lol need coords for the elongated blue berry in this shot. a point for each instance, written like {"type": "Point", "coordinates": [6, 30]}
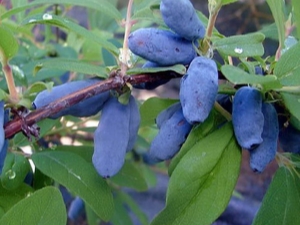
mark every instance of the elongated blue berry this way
{"type": "Point", "coordinates": [85, 108]}
{"type": "Point", "coordinates": [111, 138]}
{"type": "Point", "coordinates": [181, 17]}
{"type": "Point", "coordinates": [198, 89]}
{"type": "Point", "coordinates": [134, 123]}
{"type": "Point", "coordinates": [161, 46]}
{"type": "Point", "coordinates": [247, 117]}
{"type": "Point", "coordinates": [76, 208]}
{"type": "Point", "coordinates": [171, 136]}
{"type": "Point", "coordinates": [262, 155]}
{"type": "Point", "coordinates": [166, 114]}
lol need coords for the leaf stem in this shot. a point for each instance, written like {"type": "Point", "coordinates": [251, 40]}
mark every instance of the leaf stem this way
{"type": "Point", "coordinates": [128, 25]}
{"type": "Point", "coordinates": [14, 97]}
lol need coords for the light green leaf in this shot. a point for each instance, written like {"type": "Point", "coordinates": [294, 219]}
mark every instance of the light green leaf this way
{"type": "Point", "coordinates": [80, 177]}
{"type": "Point", "coordinates": [8, 44]}
{"type": "Point", "coordinates": [43, 207]}
{"type": "Point", "coordinates": [58, 21]}
{"type": "Point", "coordinates": [287, 69]}
{"type": "Point", "coordinates": [130, 176]}
{"type": "Point", "coordinates": [225, 2]}
{"type": "Point", "coordinates": [152, 107]}
{"type": "Point", "coordinates": [238, 76]}
{"type": "Point", "coordinates": [281, 204]}
{"type": "Point", "coordinates": [277, 8]}
{"type": "Point", "coordinates": [180, 69]}
{"type": "Point", "coordinates": [194, 195]}
{"type": "Point", "coordinates": [71, 65]}
{"type": "Point", "coordinates": [292, 102]}
{"type": "Point", "coordinates": [9, 198]}
{"type": "Point", "coordinates": [241, 45]}
{"type": "Point", "coordinates": [296, 12]}
{"type": "Point", "coordinates": [103, 6]}
{"type": "Point", "coordinates": [198, 132]}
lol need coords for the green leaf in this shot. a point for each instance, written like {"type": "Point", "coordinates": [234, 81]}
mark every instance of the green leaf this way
{"type": "Point", "coordinates": [43, 207]}
{"type": "Point", "coordinates": [120, 216]}
{"type": "Point", "coordinates": [9, 198]}
{"type": "Point", "coordinates": [58, 21]}
{"type": "Point", "coordinates": [130, 176]}
{"type": "Point", "coordinates": [84, 151]}
{"type": "Point", "coordinates": [14, 171]}
{"type": "Point", "coordinates": [8, 44]}
{"type": "Point", "coordinates": [238, 76]}
{"type": "Point", "coordinates": [180, 69]}
{"type": "Point", "coordinates": [281, 204]}
{"type": "Point", "coordinates": [287, 69]}
{"type": "Point", "coordinates": [277, 8]}
{"type": "Point", "coordinates": [296, 11]}
{"type": "Point", "coordinates": [37, 87]}
{"type": "Point", "coordinates": [103, 6]}
{"type": "Point", "coordinates": [152, 107]}
{"type": "Point", "coordinates": [292, 102]}
{"type": "Point", "coordinates": [198, 132]}
{"type": "Point", "coordinates": [72, 65]}
{"type": "Point", "coordinates": [225, 2]}
{"type": "Point", "coordinates": [194, 194]}
{"type": "Point", "coordinates": [78, 176]}
{"type": "Point", "coordinates": [241, 45]}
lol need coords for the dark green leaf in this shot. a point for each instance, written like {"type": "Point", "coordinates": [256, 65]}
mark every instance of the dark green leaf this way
{"type": "Point", "coordinates": [68, 24]}
{"type": "Point", "coordinates": [281, 204]}
{"type": "Point", "coordinates": [194, 194]}
{"type": "Point", "coordinates": [79, 177]}
{"type": "Point", "coordinates": [130, 176]}
{"type": "Point", "coordinates": [287, 69]}
{"type": "Point", "coordinates": [239, 76]}
{"type": "Point", "coordinates": [152, 107]}
{"type": "Point", "coordinates": [120, 216]}
{"type": "Point", "coordinates": [241, 45]}
{"type": "Point", "coordinates": [43, 207]}
{"type": "Point", "coordinates": [84, 151]}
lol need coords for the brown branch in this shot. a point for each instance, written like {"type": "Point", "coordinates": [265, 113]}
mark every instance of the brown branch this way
{"type": "Point", "coordinates": [15, 126]}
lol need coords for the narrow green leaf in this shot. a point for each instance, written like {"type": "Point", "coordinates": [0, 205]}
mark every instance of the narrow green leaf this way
{"type": "Point", "coordinates": [130, 176]}
{"type": "Point", "coordinates": [50, 19]}
{"type": "Point", "coordinates": [203, 181]}
{"type": "Point", "coordinates": [277, 8]}
{"type": "Point", "coordinates": [287, 69]}
{"type": "Point", "coordinates": [292, 102]}
{"type": "Point", "coordinates": [79, 177]}
{"type": "Point", "coordinates": [180, 69]}
{"type": "Point", "coordinates": [241, 45]}
{"type": "Point", "coordinates": [120, 216]}
{"type": "Point", "coordinates": [296, 12]}
{"type": "Point", "coordinates": [151, 108]}
{"type": "Point", "coordinates": [43, 207]}
{"type": "Point", "coordinates": [103, 6]}
{"type": "Point", "coordinates": [238, 76]}
{"type": "Point", "coordinates": [225, 2]}
{"type": "Point", "coordinates": [281, 204]}
{"type": "Point", "coordinates": [8, 44]}
{"type": "Point", "coordinates": [72, 65]}
{"type": "Point", "coordinates": [84, 151]}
